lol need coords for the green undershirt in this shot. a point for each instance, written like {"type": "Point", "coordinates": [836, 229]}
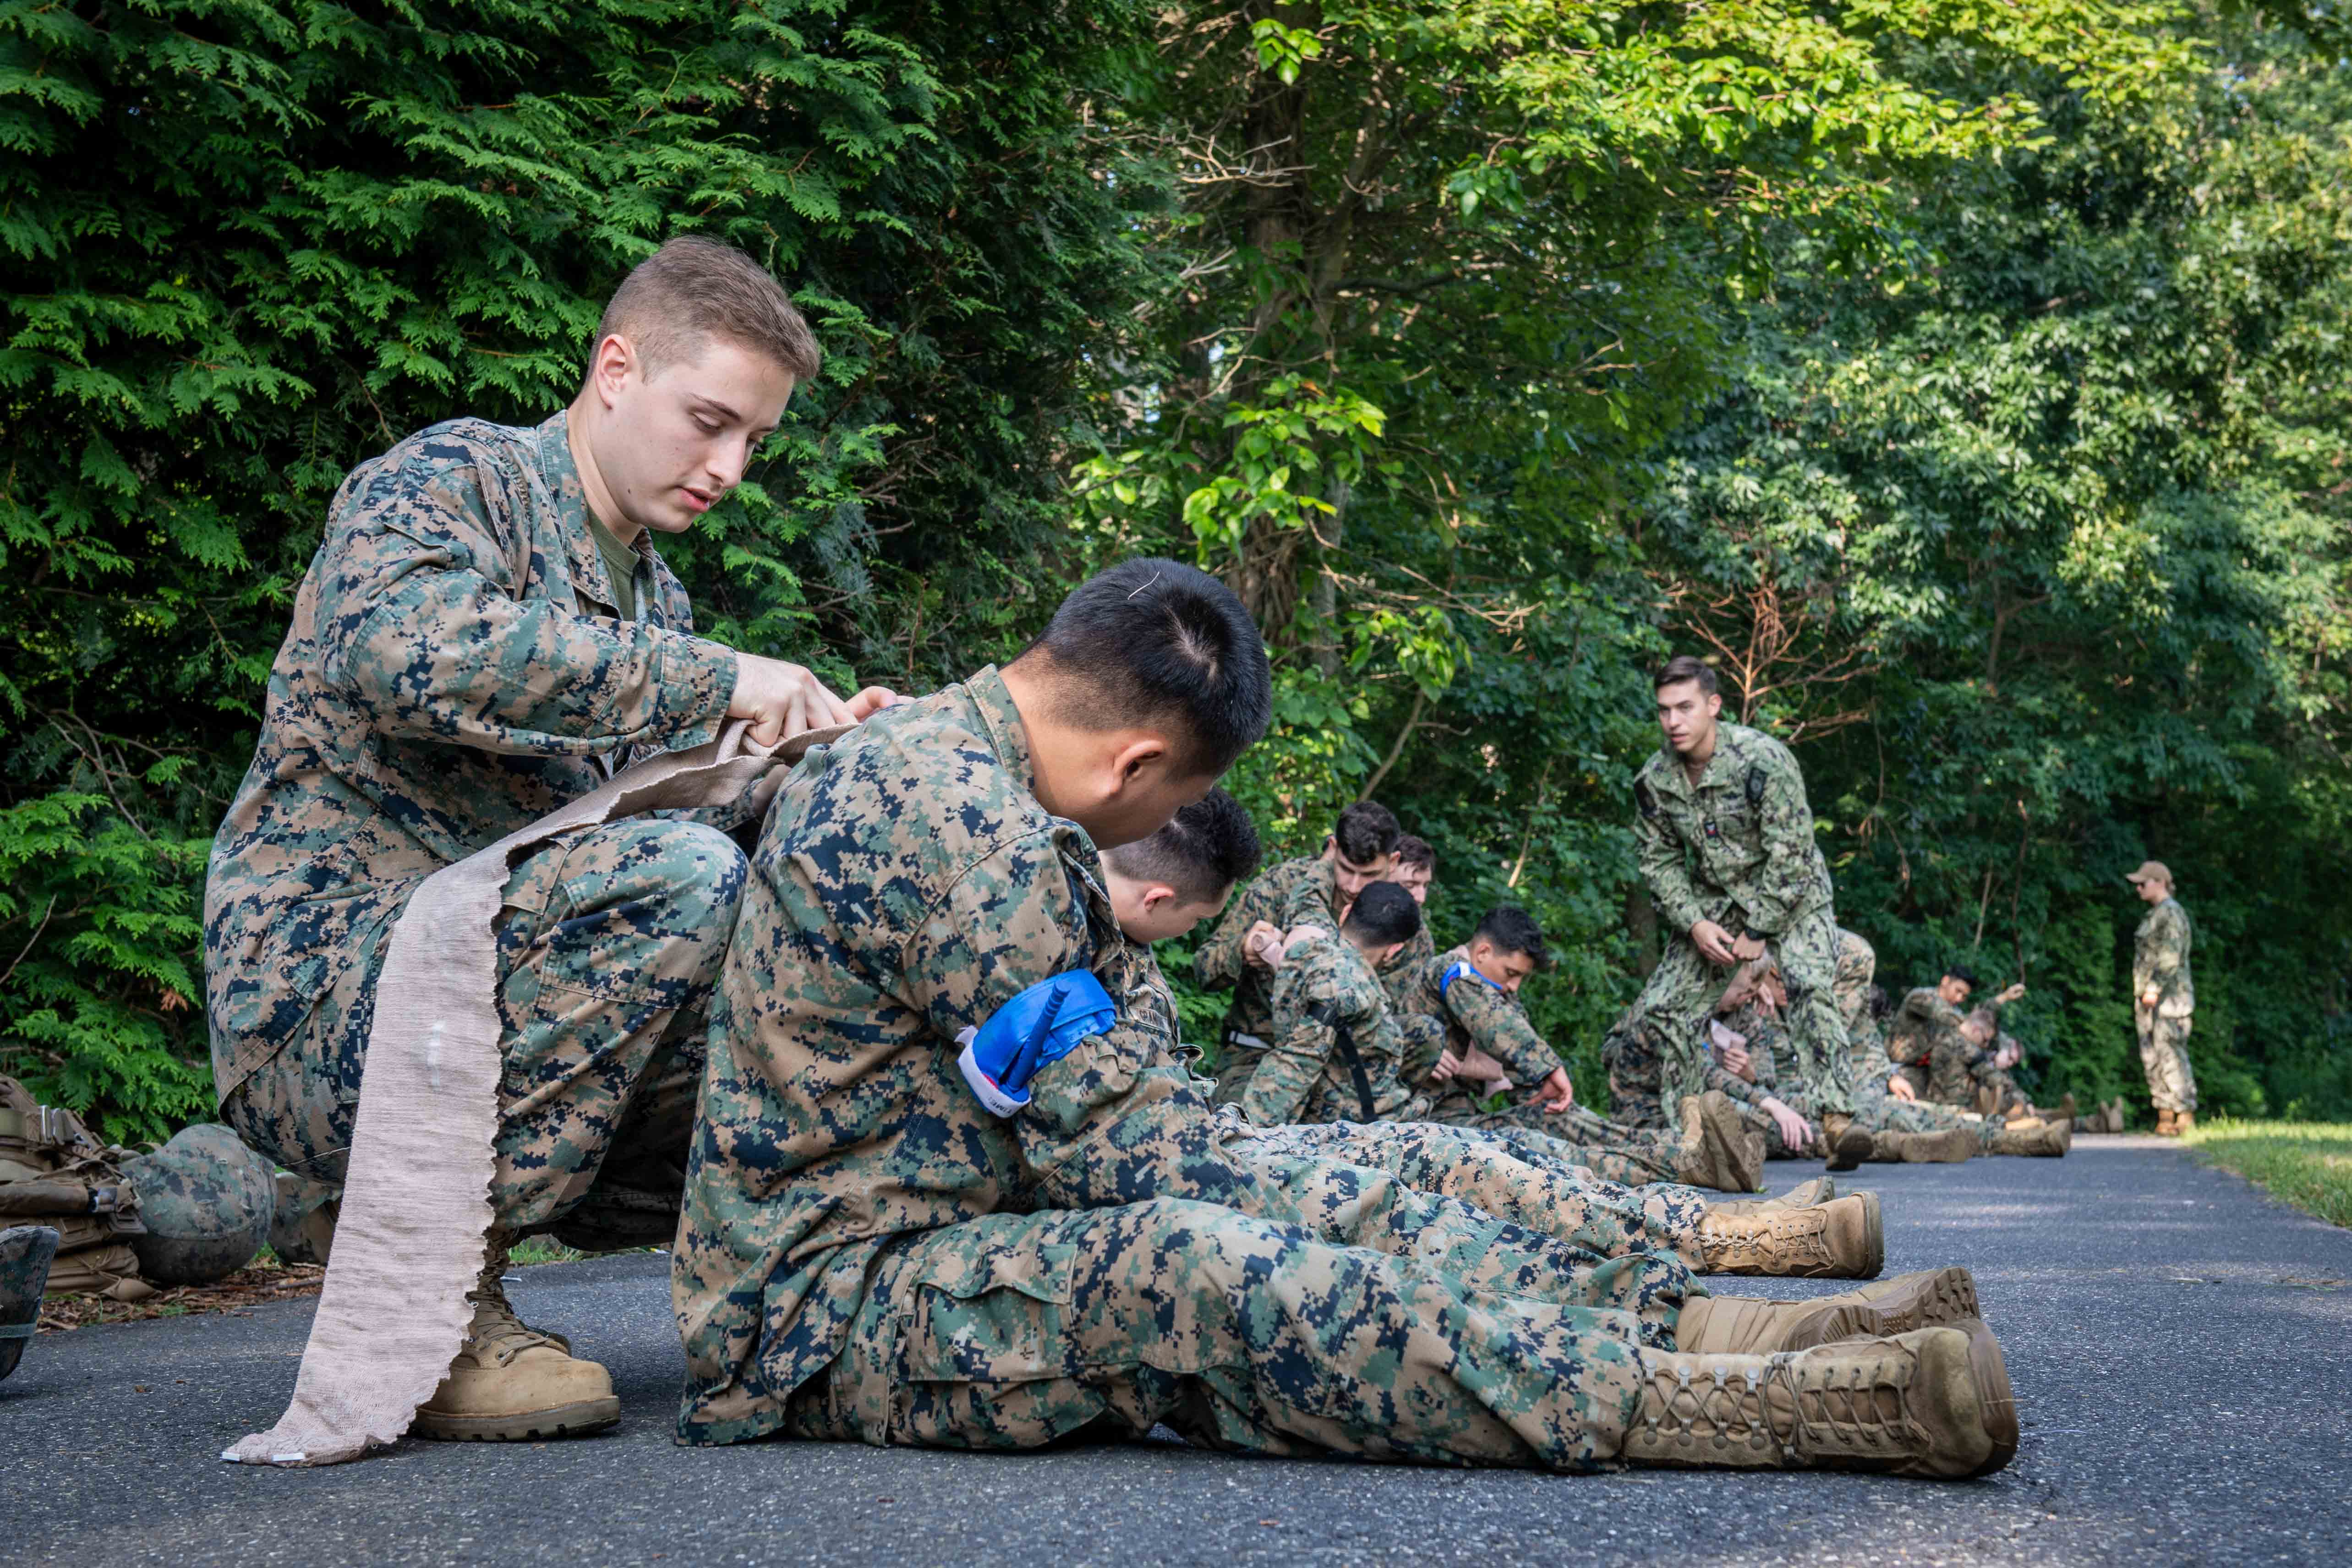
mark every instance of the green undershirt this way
{"type": "Point", "coordinates": [620, 565]}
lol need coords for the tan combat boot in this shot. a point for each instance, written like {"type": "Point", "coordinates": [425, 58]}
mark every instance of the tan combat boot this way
{"type": "Point", "coordinates": [1804, 1195]}
{"type": "Point", "coordinates": [1844, 1144]}
{"type": "Point", "coordinates": [511, 1381]}
{"type": "Point", "coordinates": [1840, 1239]}
{"type": "Point", "coordinates": [2183, 1122]}
{"type": "Point", "coordinates": [1934, 1402]}
{"type": "Point", "coordinates": [1719, 1149]}
{"type": "Point", "coordinates": [2164, 1127]}
{"type": "Point", "coordinates": [1946, 1148]}
{"type": "Point", "coordinates": [2051, 1140]}
{"type": "Point", "coordinates": [1754, 1325]}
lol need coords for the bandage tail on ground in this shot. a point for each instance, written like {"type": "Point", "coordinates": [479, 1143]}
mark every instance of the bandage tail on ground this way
{"type": "Point", "coordinates": [416, 1211]}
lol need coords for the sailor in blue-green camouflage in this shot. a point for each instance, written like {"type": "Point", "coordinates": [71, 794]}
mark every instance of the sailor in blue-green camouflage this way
{"type": "Point", "coordinates": [1510, 1173]}
{"type": "Point", "coordinates": [1304, 891]}
{"type": "Point", "coordinates": [1736, 848]}
{"type": "Point", "coordinates": [1474, 1013]}
{"type": "Point", "coordinates": [848, 1266]}
{"type": "Point", "coordinates": [458, 665]}
{"type": "Point", "coordinates": [1877, 1109]}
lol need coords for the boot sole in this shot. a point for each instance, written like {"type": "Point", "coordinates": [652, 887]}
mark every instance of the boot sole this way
{"type": "Point", "coordinates": [1995, 1401]}
{"type": "Point", "coordinates": [1939, 1298]}
{"type": "Point", "coordinates": [575, 1421]}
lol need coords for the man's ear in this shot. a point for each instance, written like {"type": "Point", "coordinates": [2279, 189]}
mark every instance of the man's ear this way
{"type": "Point", "coordinates": [1714, 704]}
{"type": "Point", "coordinates": [1387, 953]}
{"type": "Point", "coordinates": [1141, 753]}
{"type": "Point", "coordinates": [1158, 893]}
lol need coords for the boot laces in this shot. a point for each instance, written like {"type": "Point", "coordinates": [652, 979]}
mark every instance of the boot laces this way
{"type": "Point", "coordinates": [495, 1336]}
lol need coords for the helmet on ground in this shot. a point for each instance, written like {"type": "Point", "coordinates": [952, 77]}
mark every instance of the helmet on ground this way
{"type": "Point", "coordinates": [206, 1201]}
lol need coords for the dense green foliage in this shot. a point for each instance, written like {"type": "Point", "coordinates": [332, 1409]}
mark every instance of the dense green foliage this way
{"type": "Point", "coordinates": [246, 245]}
{"type": "Point", "coordinates": [1971, 380]}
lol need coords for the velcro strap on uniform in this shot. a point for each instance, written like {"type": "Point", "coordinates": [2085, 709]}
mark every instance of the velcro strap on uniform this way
{"type": "Point", "coordinates": [1040, 1026]}
{"type": "Point", "coordinates": [18, 1331]}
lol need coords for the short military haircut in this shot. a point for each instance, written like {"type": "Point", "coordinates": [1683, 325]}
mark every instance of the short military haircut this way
{"type": "Point", "coordinates": [1508, 928]}
{"type": "Point", "coordinates": [1413, 850]}
{"type": "Point", "coordinates": [1365, 831]}
{"type": "Point", "coordinates": [1210, 845]}
{"type": "Point", "coordinates": [1878, 1001]}
{"type": "Point", "coordinates": [1154, 642]}
{"type": "Point", "coordinates": [1684, 667]}
{"type": "Point", "coordinates": [694, 289]}
{"type": "Point", "coordinates": [1961, 973]}
{"type": "Point", "coordinates": [1384, 913]}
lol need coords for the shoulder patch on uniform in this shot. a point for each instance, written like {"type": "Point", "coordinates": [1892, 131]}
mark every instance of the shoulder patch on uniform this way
{"type": "Point", "coordinates": [1755, 783]}
{"type": "Point", "coordinates": [1643, 799]}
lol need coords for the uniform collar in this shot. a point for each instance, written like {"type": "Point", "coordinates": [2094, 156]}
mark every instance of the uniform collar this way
{"type": "Point", "coordinates": [1001, 716]}
{"type": "Point", "coordinates": [584, 563]}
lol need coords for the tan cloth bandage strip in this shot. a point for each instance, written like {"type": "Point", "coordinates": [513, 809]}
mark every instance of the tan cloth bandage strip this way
{"type": "Point", "coordinates": [416, 1207]}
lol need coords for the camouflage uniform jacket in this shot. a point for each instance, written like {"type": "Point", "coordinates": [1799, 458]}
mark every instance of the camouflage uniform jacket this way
{"type": "Point", "coordinates": [1763, 1033]}
{"type": "Point", "coordinates": [1736, 848]}
{"type": "Point", "coordinates": [1402, 973]}
{"type": "Point", "coordinates": [1326, 984]}
{"type": "Point", "coordinates": [1291, 894]}
{"type": "Point", "coordinates": [453, 671]}
{"type": "Point", "coordinates": [1473, 1010]}
{"type": "Point", "coordinates": [907, 883]}
{"type": "Point", "coordinates": [2160, 958]}
{"type": "Point", "coordinates": [1924, 1019]}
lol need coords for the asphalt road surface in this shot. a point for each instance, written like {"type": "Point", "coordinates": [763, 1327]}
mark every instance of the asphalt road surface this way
{"type": "Point", "coordinates": [2181, 1349]}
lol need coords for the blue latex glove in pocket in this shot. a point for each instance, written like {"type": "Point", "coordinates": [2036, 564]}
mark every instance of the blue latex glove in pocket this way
{"type": "Point", "coordinates": [1042, 1025]}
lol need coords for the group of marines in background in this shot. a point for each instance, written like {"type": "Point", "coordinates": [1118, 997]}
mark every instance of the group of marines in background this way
{"type": "Point", "coordinates": [882, 1054]}
{"type": "Point", "coordinates": [1758, 1035]}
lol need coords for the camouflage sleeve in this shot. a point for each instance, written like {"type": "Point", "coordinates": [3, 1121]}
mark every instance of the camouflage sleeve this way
{"type": "Point", "coordinates": [1501, 1031]}
{"type": "Point", "coordinates": [1307, 985]}
{"type": "Point", "coordinates": [1218, 964]}
{"type": "Point", "coordinates": [419, 622]}
{"type": "Point", "coordinates": [1790, 876]}
{"type": "Point", "coordinates": [1115, 1121]}
{"type": "Point", "coordinates": [2167, 950]}
{"type": "Point", "coordinates": [1662, 867]}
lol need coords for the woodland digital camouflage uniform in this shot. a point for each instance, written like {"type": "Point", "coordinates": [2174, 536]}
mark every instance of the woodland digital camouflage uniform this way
{"type": "Point", "coordinates": [1323, 987]}
{"type": "Point", "coordinates": [846, 1267]}
{"type": "Point", "coordinates": [1738, 849]}
{"type": "Point", "coordinates": [456, 670]}
{"type": "Point", "coordinates": [1290, 893]}
{"type": "Point", "coordinates": [1875, 1108]}
{"type": "Point", "coordinates": [1944, 1065]}
{"type": "Point", "coordinates": [1403, 969]}
{"type": "Point", "coordinates": [1514, 1175]}
{"type": "Point", "coordinates": [2160, 958]}
{"type": "Point", "coordinates": [1473, 1012]}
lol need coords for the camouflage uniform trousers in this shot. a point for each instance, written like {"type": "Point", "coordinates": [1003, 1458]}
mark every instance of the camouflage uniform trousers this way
{"type": "Point", "coordinates": [1877, 1111]}
{"type": "Point", "coordinates": [607, 947]}
{"type": "Point", "coordinates": [2164, 1057]}
{"type": "Point", "coordinates": [1015, 1330]}
{"type": "Point", "coordinates": [1632, 1157]}
{"type": "Point", "coordinates": [1636, 1071]}
{"type": "Point", "coordinates": [1510, 1173]}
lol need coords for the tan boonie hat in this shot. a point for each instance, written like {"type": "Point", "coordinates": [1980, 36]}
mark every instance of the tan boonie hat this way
{"type": "Point", "coordinates": [2150, 871]}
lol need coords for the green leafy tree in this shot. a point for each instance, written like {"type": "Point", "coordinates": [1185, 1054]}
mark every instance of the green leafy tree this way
{"type": "Point", "coordinates": [246, 245]}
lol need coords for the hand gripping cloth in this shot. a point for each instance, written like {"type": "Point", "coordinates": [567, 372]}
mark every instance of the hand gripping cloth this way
{"type": "Point", "coordinates": [1042, 1025]}
{"type": "Point", "coordinates": [416, 1207]}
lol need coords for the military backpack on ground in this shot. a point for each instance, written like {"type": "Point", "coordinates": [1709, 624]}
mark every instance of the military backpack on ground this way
{"type": "Point", "coordinates": [54, 1173]}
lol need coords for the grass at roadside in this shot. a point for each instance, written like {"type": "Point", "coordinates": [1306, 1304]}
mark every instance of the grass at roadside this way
{"type": "Point", "coordinates": [2308, 1164]}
